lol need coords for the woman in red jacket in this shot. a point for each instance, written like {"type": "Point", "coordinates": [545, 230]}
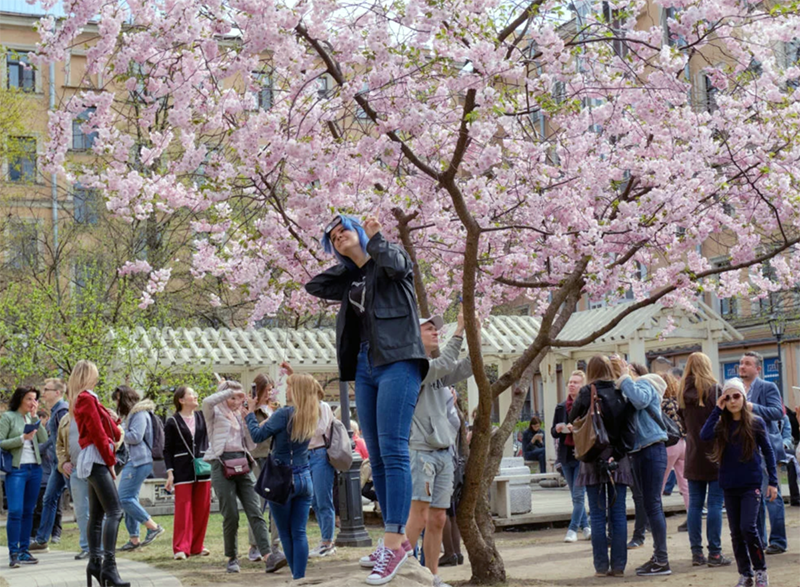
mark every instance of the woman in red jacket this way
{"type": "Point", "coordinates": [98, 433]}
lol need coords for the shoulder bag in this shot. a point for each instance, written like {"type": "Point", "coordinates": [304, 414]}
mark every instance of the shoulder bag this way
{"type": "Point", "coordinates": [668, 425]}
{"type": "Point", "coordinates": [6, 461]}
{"type": "Point", "coordinates": [276, 481]}
{"type": "Point", "coordinates": [589, 432]}
{"type": "Point", "coordinates": [337, 446]}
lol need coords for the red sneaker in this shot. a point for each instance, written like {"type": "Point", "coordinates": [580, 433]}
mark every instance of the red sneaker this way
{"type": "Point", "coordinates": [369, 561]}
{"type": "Point", "coordinates": [389, 562]}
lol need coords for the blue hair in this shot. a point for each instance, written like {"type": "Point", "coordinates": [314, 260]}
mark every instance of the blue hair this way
{"type": "Point", "coordinates": [353, 225]}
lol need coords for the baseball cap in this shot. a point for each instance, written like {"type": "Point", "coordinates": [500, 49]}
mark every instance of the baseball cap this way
{"type": "Point", "coordinates": [437, 321]}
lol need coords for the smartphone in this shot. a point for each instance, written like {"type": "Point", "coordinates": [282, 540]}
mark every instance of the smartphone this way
{"type": "Point", "coordinates": [31, 427]}
{"type": "Point", "coordinates": [253, 390]}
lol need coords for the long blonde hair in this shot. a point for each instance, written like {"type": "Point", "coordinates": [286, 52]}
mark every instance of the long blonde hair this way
{"type": "Point", "coordinates": [306, 392]}
{"type": "Point", "coordinates": [698, 366]}
{"type": "Point", "coordinates": [84, 376]}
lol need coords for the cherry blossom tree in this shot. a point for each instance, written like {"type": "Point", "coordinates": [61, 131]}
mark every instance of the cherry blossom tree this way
{"type": "Point", "coordinates": [513, 148]}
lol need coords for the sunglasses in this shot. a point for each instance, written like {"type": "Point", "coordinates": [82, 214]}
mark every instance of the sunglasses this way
{"type": "Point", "coordinates": [333, 224]}
{"type": "Point", "coordinates": [733, 396]}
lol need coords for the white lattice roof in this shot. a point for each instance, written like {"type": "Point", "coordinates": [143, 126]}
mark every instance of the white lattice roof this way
{"type": "Point", "coordinates": [236, 350]}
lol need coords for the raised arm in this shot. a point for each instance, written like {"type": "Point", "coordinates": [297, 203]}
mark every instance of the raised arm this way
{"type": "Point", "coordinates": [638, 393]}
{"type": "Point", "coordinates": [331, 284]}
{"type": "Point", "coordinates": [389, 257]}
{"type": "Point", "coordinates": [269, 428]}
{"type": "Point", "coordinates": [446, 362]}
{"type": "Point", "coordinates": [212, 401]}
{"type": "Point", "coordinates": [707, 432]}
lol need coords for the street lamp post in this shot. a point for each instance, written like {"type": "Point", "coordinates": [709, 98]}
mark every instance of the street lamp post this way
{"type": "Point", "coordinates": [778, 326]}
{"type": "Point", "coordinates": [351, 514]}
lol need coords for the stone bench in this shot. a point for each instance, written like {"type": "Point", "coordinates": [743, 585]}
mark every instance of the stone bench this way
{"type": "Point", "coordinates": [500, 494]}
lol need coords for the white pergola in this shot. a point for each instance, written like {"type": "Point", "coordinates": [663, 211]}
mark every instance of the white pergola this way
{"type": "Point", "coordinates": [652, 328]}
{"type": "Point", "coordinates": [247, 352]}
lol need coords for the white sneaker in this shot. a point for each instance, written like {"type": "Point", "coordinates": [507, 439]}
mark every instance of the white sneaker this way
{"type": "Point", "coordinates": [437, 582]}
{"type": "Point", "coordinates": [368, 562]}
{"type": "Point", "coordinates": [587, 533]}
{"type": "Point", "coordinates": [179, 556]}
{"type": "Point", "coordinates": [322, 550]}
{"type": "Point", "coordinates": [571, 536]}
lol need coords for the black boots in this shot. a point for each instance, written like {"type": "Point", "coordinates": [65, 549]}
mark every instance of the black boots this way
{"type": "Point", "coordinates": [93, 570]}
{"type": "Point", "coordinates": [109, 575]}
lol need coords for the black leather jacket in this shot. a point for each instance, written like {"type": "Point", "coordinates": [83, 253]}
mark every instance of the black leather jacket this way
{"type": "Point", "coordinates": [618, 415]}
{"type": "Point", "coordinates": [392, 319]}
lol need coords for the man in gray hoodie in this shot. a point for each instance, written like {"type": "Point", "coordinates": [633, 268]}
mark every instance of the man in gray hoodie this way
{"type": "Point", "coordinates": [433, 433]}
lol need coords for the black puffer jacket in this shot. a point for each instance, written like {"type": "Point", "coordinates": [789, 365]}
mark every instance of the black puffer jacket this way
{"type": "Point", "coordinates": [392, 319]}
{"type": "Point", "coordinates": [618, 415]}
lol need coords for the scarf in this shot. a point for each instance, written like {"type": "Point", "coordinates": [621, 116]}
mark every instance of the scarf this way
{"type": "Point", "coordinates": [568, 440]}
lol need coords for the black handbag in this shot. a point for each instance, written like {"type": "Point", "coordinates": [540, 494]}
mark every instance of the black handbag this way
{"type": "Point", "coordinates": [669, 426]}
{"type": "Point", "coordinates": [276, 481]}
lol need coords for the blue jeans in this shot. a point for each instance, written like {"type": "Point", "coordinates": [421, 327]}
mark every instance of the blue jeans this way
{"type": "Point", "coordinates": [777, 517]}
{"type": "Point", "coordinates": [602, 512]}
{"type": "Point", "coordinates": [650, 464]}
{"type": "Point", "coordinates": [578, 520]}
{"type": "Point", "coordinates": [131, 479]}
{"type": "Point", "coordinates": [697, 497]}
{"type": "Point", "coordinates": [537, 454]}
{"type": "Point", "coordinates": [291, 519]}
{"type": "Point", "coordinates": [386, 397]}
{"type": "Point", "coordinates": [22, 491]}
{"type": "Point", "coordinates": [55, 488]}
{"type": "Point", "coordinates": [322, 474]}
{"type": "Point", "coordinates": [79, 490]}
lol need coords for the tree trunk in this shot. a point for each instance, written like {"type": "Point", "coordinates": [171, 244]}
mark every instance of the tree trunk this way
{"type": "Point", "coordinates": [476, 525]}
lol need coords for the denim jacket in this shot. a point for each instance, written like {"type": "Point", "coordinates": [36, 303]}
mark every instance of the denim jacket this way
{"type": "Point", "coordinates": [286, 451]}
{"type": "Point", "coordinates": [139, 433]}
{"type": "Point", "coordinates": [643, 396]}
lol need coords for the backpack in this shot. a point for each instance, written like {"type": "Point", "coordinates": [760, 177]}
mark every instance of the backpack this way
{"type": "Point", "coordinates": [337, 445]}
{"type": "Point", "coordinates": [157, 426]}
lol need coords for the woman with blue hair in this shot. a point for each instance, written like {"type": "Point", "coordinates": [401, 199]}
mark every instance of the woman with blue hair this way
{"type": "Point", "coordinates": [379, 347]}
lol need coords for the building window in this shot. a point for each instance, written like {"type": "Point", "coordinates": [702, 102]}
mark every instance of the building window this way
{"type": "Point", "coordinates": [23, 252]}
{"type": "Point", "coordinates": [711, 94]}
{"type": "Point", "coordinates": [559, 92]}
{"type": "Point", "coordinates": [20, 75]}
{"type": "Point", "coordinates": [264, 93]}
{"type": "Point", "coordinates": [84, 203]}
{"type": "Point", "coordinates": [82, 141]}
{"type": "Point", "coordinates": [324, 86]}
{"type": "Point", "coordinates": [361, 114]}
{"type": "Point", "coordinates": [728, 307]}
{"type": "Point", "coordinates": [22, 161]}
{"type": "Point", "coordinates": [792, 49]}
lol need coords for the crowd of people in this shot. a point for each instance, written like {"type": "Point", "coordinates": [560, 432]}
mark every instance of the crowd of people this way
{"type": "Point", "coordinates": [722, 441]}
{"type": "Point", "coordinates": [724, 445]}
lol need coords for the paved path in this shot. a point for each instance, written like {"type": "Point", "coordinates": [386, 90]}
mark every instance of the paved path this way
{"type": "Point", "coordinates": [60, 569]}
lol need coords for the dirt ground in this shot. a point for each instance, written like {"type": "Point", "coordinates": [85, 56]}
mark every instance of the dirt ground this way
{"type": "Point", "coordinates": [540, 558]}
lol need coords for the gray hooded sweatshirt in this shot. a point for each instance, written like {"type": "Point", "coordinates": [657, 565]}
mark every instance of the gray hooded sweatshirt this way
{"type": "Point", "coordinates": [431, 427]}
